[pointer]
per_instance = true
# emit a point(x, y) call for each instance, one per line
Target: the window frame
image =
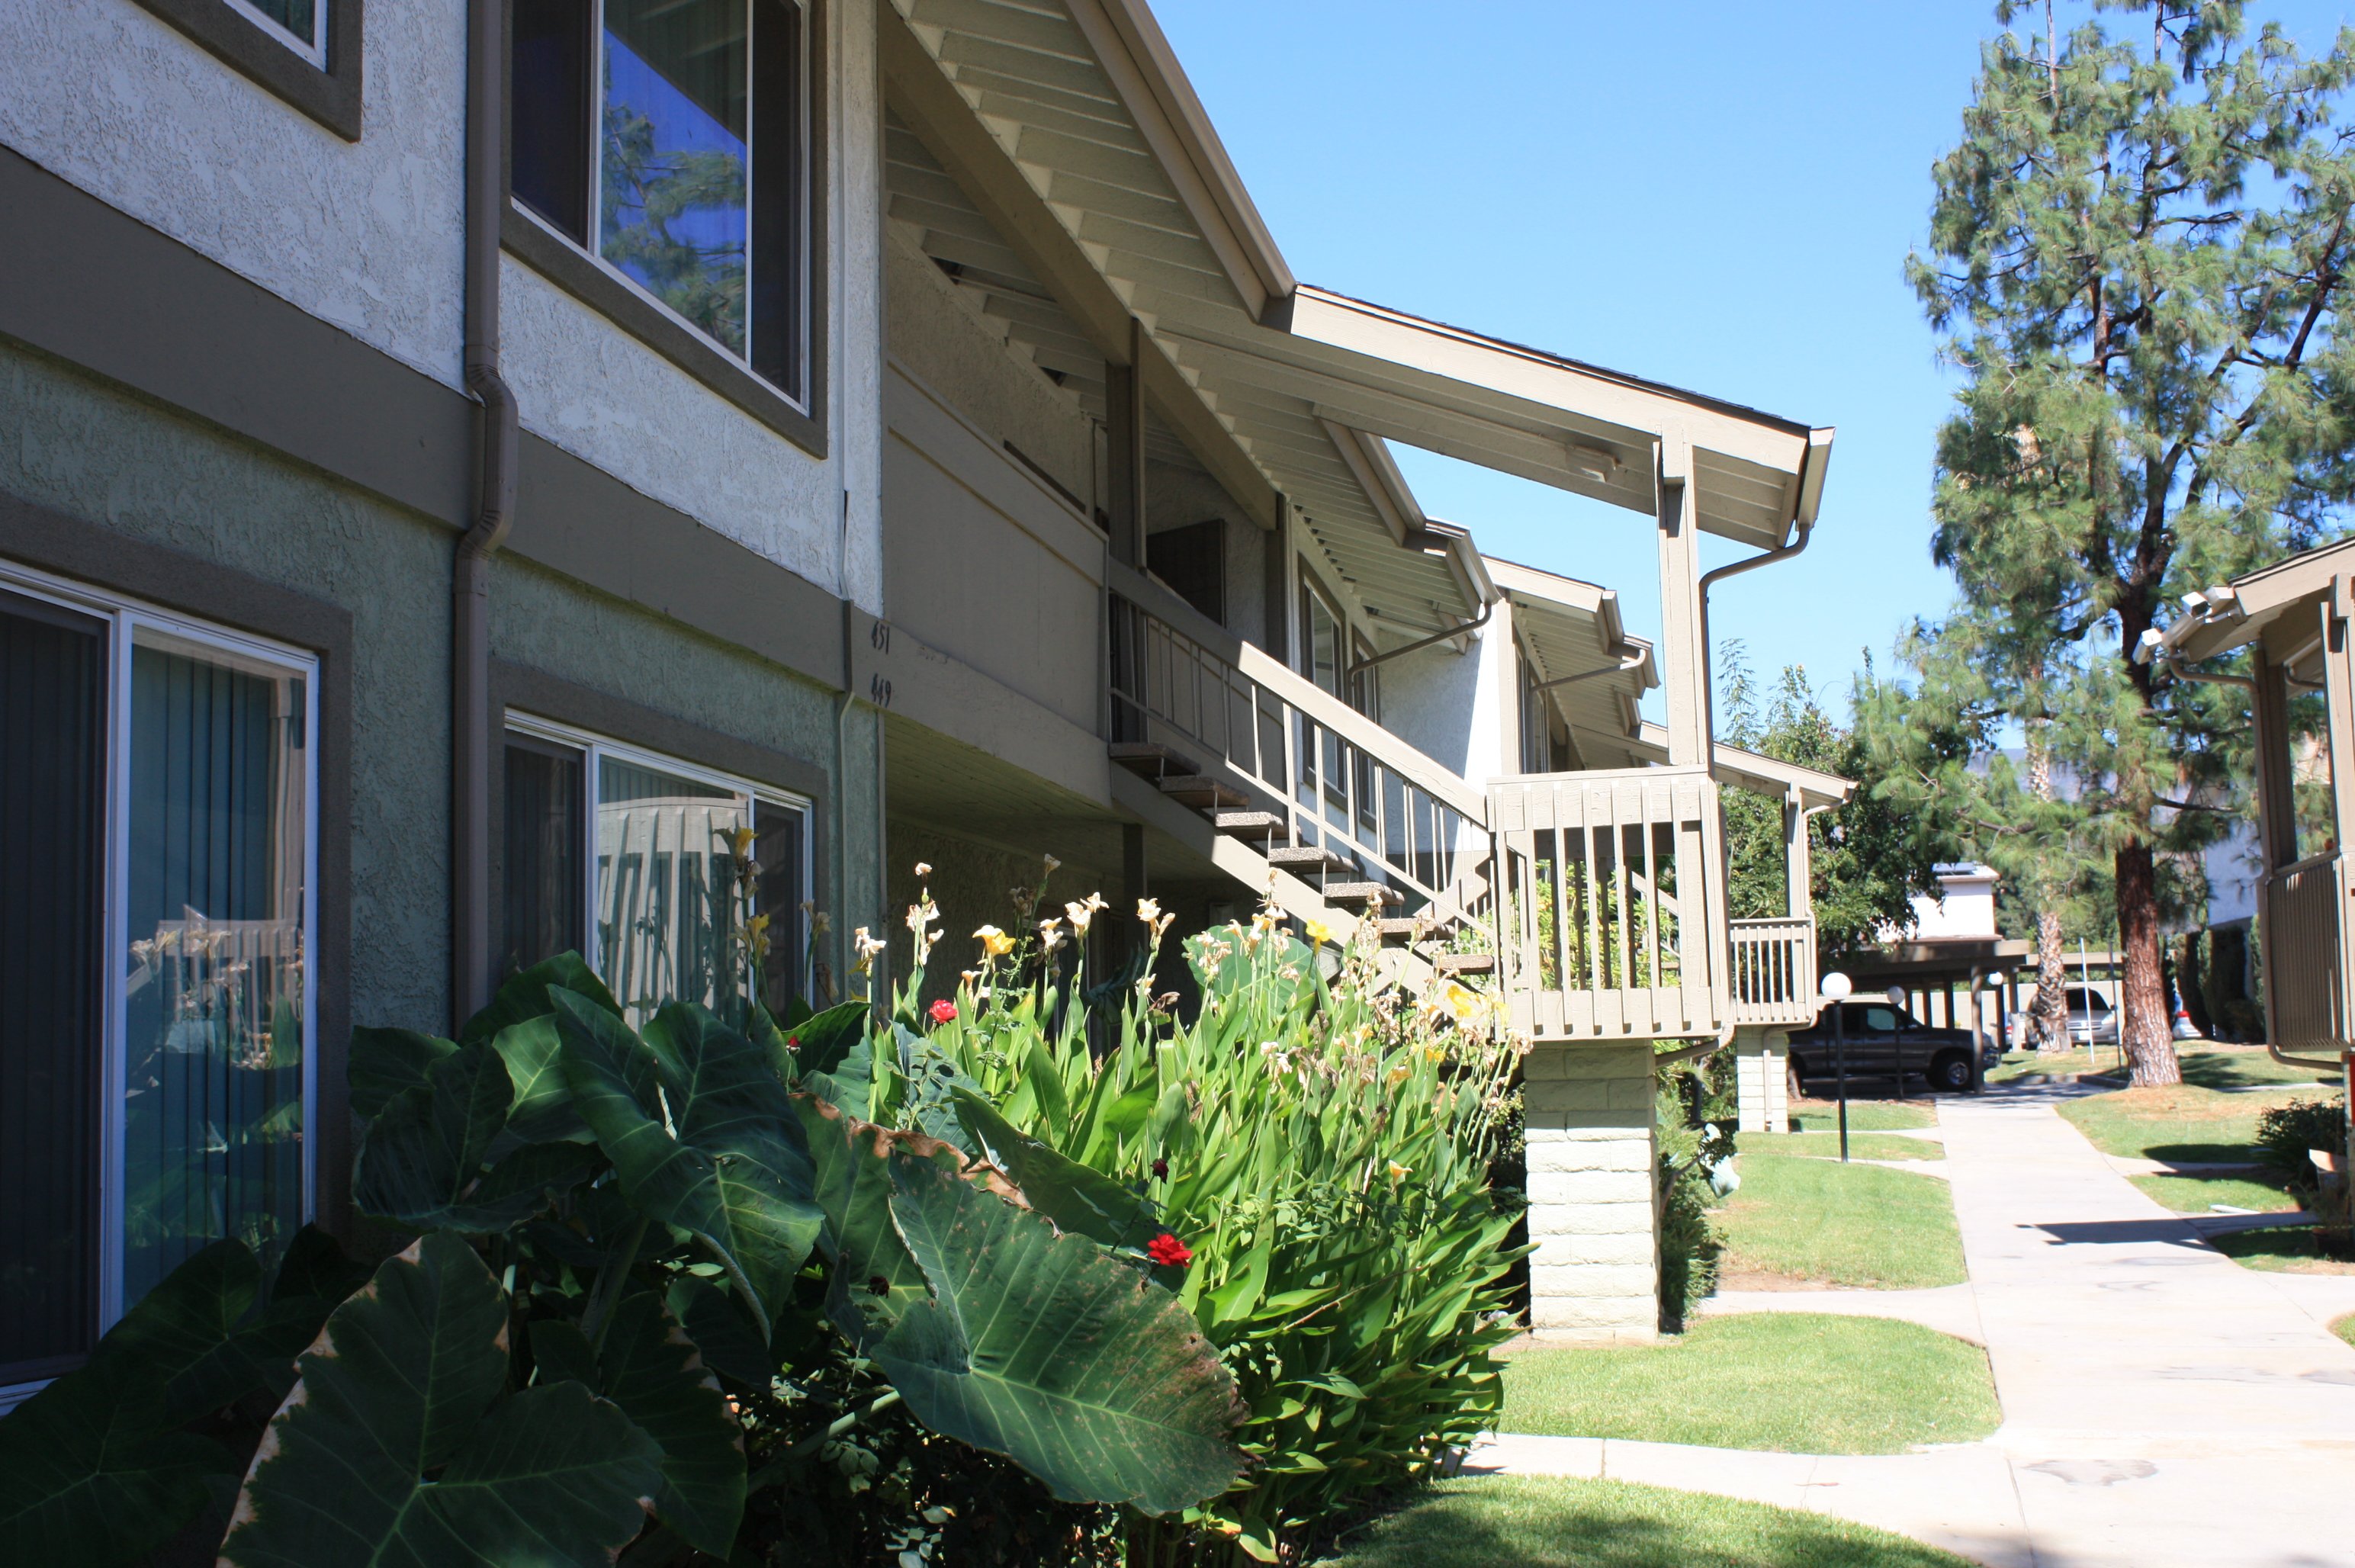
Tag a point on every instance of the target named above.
point(595, 746)
point(577, 268)
point(124, 615)
point(323, 83)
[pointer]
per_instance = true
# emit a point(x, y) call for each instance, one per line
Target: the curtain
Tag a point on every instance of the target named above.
point(52, 858)
point(214, 1032)
point(542, 852)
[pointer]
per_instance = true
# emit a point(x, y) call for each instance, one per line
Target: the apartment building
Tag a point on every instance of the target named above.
point(482, 471)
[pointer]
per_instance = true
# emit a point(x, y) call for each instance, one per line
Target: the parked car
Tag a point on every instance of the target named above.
point(2092, 1017)
point(1886, 1045)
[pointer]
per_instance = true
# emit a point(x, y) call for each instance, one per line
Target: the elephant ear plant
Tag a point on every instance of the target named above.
point(658, 1280)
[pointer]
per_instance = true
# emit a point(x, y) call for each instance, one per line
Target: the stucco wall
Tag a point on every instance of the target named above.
point(368, 235)
point(79, 447)
point(1432, 700)
point(964, 359)
point(1596, 1270)
point(365, 234)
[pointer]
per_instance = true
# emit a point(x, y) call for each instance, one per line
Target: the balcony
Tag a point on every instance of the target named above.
point(2305, 954)
point(1773, 976)
point(1612, 923)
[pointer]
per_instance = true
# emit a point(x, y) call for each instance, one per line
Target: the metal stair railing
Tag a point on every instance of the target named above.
point(1340, 781)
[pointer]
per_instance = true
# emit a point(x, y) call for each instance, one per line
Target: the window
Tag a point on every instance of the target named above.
point(300, 24)
point(631, 859)
point(157, 849)
point(305, 51)
point(670, 140)
point(1192, 560)
point(1320, 633)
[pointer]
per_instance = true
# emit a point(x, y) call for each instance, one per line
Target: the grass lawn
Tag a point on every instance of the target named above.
point(2185, 1122)
point(1859, 1225)
point(2288, 1250)
point(1793, 1382)
point(1527, 1522)
point(2345, 1328)
point(2019, 1064)
point(1863, 1116)
point(2200, 1194)
point(1861, 1145)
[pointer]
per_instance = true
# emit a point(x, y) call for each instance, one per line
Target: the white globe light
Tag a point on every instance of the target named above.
point(1897, 998)
point(1836, 986)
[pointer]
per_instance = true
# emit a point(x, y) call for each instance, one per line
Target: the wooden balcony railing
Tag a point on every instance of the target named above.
point(2306, 958)
point(1774, 972)
point(1340, 781)
point(1612, 919)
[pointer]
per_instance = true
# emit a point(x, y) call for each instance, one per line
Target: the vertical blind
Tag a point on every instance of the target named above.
point(213, 980)
point(52, 854)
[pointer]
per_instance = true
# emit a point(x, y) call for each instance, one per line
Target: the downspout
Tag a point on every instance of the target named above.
point(1630, 660)
point(1751, 563)
point(498, 439)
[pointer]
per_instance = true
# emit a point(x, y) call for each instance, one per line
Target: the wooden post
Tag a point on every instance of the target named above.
point(2276, 806)
point(1799, 889)
point(1684, 649)
point(1276, 591)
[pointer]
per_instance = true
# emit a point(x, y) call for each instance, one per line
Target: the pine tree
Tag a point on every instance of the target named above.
point(2137, 256)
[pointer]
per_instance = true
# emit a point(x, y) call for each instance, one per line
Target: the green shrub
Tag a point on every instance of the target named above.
point(1306, 1164)
point(1694, 1118)
point(2290, 1134)
point(671, 1272)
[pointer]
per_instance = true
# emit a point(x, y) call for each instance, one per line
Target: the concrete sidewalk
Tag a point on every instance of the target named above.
point(2163, 1406)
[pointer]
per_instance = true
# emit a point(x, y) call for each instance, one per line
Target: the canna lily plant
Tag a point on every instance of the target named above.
point(1304, 1165)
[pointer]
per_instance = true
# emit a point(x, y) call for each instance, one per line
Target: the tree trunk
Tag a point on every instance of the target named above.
point(2149, 1030)
point(2048, 1015)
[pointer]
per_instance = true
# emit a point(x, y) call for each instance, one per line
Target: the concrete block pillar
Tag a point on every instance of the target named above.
point(1761, 1079)
point(1596, 1274)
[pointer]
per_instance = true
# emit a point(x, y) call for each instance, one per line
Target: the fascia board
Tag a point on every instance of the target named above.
point(1167, 110)
point(1760, 775)
point(1562, 385)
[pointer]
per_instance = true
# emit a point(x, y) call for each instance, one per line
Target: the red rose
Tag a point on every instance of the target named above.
point(793, 1042)
point(1169, 1251)
point(943, 1011)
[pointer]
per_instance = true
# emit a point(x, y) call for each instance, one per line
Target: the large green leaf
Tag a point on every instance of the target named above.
point(401, 1446)
point(1074, 1196)
point(875, 1277)
point(93, 1468)
point(655, 1373)
point(731, 1166)
point(387, 1062)
point(821, 1041)
point(90, 1475)
point(525, 996)
point(542, 1111)
point(1045, 1348)
point(423, 1159)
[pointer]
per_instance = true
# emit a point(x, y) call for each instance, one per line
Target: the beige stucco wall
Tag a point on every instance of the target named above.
point(1596, 1274)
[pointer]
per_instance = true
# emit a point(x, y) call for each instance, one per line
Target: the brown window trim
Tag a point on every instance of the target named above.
point(103, 558)
point(578, 273)
point(517, 689)
point(332, 96)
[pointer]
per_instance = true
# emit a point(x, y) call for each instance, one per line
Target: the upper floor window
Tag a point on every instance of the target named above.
point(675, 883)
point(301, 25)
point(157, 853)
point(669, 139)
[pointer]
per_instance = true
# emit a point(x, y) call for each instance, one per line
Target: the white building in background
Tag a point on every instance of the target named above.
point(1964, 908)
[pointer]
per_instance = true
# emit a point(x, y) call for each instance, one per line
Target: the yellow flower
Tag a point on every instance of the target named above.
point(1053, 865)
point(1400, 1172)
point(1318, 933)
point(1147, 911)
point(1399, 1073)
point(1050, 934)
point(1463, 1004)
point(742, 841)
point(922, 869)
point(995, 943)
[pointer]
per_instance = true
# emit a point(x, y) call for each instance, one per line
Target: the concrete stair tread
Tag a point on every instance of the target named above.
point(1194, 789)
point(1150, 759)
point(1465, 963)
point(1369, 893)
point(1259, 824)
point(1314, 859)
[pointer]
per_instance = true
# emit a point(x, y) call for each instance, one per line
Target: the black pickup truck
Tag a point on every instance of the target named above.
point(1886, 1046)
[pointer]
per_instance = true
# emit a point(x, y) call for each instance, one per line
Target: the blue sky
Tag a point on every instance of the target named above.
point(1716, 194)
